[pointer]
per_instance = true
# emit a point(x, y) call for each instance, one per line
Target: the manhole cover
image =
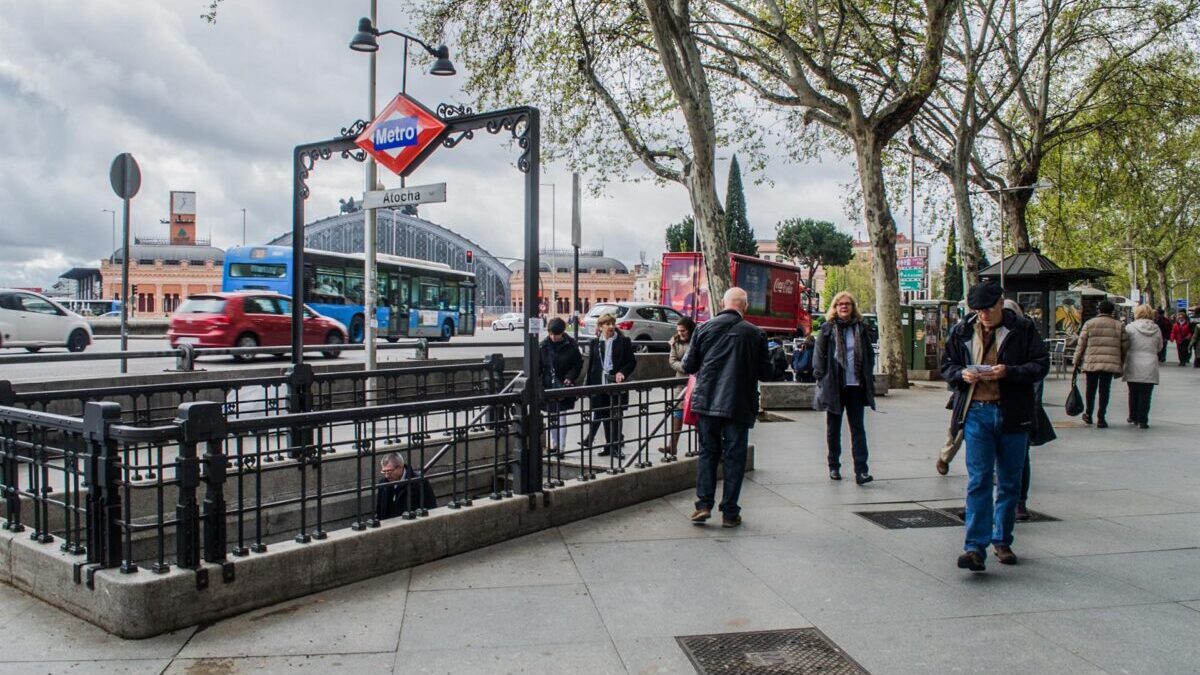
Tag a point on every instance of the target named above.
point(902, 520)
point(1034, 517)
point(798, 651)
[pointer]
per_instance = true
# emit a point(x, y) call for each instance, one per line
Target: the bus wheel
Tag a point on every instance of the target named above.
point(393, 339)
point(245, 340)
point(334, 338)
point(356, 329)
point(33, 350)
point(447, 330)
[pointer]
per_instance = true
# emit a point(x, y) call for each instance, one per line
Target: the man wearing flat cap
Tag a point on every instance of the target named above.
point(992, 362)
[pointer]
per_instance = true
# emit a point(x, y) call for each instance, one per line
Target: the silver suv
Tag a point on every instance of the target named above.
point(640, 321)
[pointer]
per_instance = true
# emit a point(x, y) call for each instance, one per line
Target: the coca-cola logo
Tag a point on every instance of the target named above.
point(784, 286)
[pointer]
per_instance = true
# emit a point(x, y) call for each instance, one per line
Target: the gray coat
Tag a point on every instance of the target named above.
point(1145, 341)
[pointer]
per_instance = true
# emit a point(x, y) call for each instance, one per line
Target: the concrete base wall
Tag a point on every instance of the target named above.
point(144, 604)
point(800, 395)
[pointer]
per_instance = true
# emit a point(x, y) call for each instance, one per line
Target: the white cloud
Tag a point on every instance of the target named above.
point(218, 108)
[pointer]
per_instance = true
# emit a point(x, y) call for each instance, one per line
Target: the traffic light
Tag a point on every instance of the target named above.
point(470, 257)
point(133, 289)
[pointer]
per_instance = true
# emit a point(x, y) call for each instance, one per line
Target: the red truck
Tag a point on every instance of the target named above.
point(777, 294)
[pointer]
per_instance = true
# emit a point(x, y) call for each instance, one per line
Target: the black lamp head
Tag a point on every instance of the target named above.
point(441, 64)
point(364, 39)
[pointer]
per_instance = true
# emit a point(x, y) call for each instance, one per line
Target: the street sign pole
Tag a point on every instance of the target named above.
point(126, 179)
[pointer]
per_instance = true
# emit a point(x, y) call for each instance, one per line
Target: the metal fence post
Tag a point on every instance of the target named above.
point(199, 422)
point(8, 396)
point(103, 474)
point(300, 400)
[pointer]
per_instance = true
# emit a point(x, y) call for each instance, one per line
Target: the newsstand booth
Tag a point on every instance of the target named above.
point(1043, 290)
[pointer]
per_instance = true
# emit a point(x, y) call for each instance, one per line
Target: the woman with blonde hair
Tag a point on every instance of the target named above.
point(844, 367)
point(1141, 364)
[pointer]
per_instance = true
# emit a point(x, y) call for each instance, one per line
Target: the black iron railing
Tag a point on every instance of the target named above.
point(149, 404)
point(212, 486)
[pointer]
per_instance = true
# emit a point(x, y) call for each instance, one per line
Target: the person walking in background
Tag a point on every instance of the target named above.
point(680, 341)
point(1181, 335)
point(844, 367)
point(1141, 364)
point(1043, 431)
point(993, 361)
point(611, 361)
point(1195, 347)
point(561, 367)
point(802, 359)
point(1101, 355)
point(1164, 325)
point(729, 357)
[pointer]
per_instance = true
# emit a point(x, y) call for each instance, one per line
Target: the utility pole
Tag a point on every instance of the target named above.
point(371, 322)
point(243, 227)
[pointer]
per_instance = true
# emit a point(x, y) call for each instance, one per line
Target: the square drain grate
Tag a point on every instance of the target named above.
point(798, 651)
point(910, 518)
point(1034, 517)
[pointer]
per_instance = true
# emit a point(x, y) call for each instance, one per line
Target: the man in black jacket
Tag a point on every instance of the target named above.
point(400, 489)
point(728, 356)
point(993, 361)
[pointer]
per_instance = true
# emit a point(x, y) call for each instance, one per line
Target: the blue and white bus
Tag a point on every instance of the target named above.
point(416, 298)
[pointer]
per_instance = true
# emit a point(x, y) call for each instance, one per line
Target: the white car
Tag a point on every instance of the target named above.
point(510, 321)
point(33, 321)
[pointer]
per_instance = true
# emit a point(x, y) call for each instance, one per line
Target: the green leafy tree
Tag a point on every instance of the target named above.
point(855, 277)
point(952, 280)
point(681, 235)
point(738, 232)
point(814, 244)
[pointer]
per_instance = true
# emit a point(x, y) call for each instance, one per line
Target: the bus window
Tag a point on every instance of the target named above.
point(402, 292)
point(466, 298)
point(354, 287)
point(448, 298)
point(430, 293)
point(329, 286)
point(258, 270)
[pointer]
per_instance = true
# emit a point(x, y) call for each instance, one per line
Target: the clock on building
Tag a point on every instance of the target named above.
point(183, 202)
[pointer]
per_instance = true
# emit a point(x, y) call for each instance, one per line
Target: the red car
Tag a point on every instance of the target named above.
point(248, 319)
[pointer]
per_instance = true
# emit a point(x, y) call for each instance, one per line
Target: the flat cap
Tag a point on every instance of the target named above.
point(984, 295)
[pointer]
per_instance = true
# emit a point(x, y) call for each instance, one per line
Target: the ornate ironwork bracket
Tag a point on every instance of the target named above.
point(308, 155)
point(462, 121)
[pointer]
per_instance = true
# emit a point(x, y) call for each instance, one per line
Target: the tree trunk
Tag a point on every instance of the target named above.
point(965, 227)
point(710, 221)
point(882, 229)
point(1160, 277)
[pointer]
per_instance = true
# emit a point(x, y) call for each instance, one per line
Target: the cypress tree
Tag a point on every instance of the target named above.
point(738, 232)
point(952, 272)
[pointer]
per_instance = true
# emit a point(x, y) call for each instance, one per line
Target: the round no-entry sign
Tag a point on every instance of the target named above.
point(125, 176)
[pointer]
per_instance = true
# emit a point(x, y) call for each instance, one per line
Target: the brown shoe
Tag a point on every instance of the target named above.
point(733, 521)
point(701, 515)
point(1004, 554)
point(1022, 512)
point(971, 560)
point(943, 467)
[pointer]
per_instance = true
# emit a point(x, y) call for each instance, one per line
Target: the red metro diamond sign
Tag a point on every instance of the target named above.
point(403, 135)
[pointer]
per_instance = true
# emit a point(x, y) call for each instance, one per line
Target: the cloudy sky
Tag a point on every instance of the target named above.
point(217, 109)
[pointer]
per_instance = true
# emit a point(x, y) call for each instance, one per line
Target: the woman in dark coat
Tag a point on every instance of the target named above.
point(562, 365)
point(611, 362)
point(844, 367)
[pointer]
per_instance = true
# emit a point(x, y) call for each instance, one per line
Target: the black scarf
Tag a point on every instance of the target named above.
point(839, 352)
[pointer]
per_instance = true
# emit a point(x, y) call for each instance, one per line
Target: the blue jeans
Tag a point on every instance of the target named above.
point(721, 440)
point(991, 451)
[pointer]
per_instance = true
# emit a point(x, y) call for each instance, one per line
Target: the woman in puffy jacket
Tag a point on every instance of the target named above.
point(1141, 364)
point(1100, 354)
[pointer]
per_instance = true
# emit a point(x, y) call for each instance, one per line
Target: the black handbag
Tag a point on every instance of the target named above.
point(1074, 405)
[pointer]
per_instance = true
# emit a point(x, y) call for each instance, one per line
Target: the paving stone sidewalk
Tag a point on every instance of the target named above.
point(1112, 586)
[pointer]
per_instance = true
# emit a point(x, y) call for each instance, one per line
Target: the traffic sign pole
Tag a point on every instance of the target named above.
point(126, 180)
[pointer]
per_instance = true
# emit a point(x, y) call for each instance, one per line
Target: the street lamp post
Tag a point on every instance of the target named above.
point(553, 246)
point(113, 213)
point(1043, 184)
point(365, 41)
point(243, 227)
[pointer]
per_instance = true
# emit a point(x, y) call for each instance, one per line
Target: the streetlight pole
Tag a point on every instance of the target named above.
point(1043, 184)
point(553, 246)
point(365, 41)
point(113, 213)
point(243, 227)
